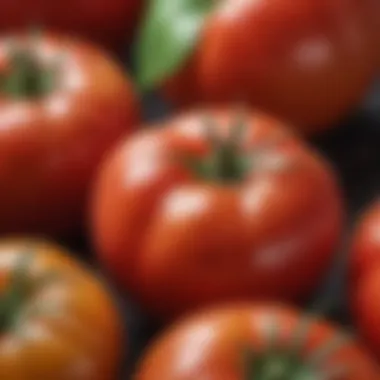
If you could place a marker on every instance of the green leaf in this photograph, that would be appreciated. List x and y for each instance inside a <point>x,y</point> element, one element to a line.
<point>167,38</point>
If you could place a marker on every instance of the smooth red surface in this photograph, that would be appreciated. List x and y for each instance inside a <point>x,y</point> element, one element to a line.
<point>366,241</point>
<point>106,21</point>
<point>366,309</point>
<point>177,242</point>
<point>365,276</point>
<point>211,345</point>
<point>306,61</point>
<point>50,147</point>
<point>67,328</point>
<point>374,11</point>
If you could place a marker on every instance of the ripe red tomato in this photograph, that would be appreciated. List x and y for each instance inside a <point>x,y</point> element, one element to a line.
<point>255,342</point>
<point>365,270</point>
<point>56,319</point>
<point>308,62</point>
<point>183,219</point>
<point>61,107</point>
<point>106,21</point>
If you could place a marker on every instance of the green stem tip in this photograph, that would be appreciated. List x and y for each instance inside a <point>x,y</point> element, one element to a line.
<point>281,361</point>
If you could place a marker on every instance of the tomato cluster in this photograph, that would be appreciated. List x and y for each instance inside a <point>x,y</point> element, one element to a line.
<point>220,220</point>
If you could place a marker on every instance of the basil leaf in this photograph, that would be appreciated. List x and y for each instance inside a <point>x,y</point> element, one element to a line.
<point>167,38</point>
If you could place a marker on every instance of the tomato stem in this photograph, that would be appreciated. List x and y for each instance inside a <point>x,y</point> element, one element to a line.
<point>25,76</point>
<point>225,162</point>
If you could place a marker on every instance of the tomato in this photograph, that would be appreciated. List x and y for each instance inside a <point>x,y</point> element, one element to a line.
<point>57,321</point>
<point>365,279</point>
<point>255,342</point>
<point>186,215</point>
<point>308,62</point>
<point>58,116</point>
<point>105,21</point>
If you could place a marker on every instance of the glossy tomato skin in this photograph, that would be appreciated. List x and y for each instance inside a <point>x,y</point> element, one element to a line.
<point>178,242</point>
<point>307,62</point>
<point>365,307</point>
<point>365,276</point>
<point>105,21</point>
<point>50,147</point>
<point>70,328</point>
<point>210,345</point>
<point>374,11</point>
<point>366,242</point>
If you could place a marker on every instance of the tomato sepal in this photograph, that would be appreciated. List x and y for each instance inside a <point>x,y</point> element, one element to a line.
<point>171,29</point>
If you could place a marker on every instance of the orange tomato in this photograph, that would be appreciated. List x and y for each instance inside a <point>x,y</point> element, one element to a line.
<point>51,140</point>
<point>183,219</point>
<point>255,342</point>
<point>57,321</point>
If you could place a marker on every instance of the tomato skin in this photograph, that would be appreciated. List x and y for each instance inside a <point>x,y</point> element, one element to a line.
<point>365,276</point>
<point>374,11</point>
<point>306,62</point>
<point>177,242</point>
<point>106,21</point>
<point>365,307</point>
<point>51,147</point>
<point>207,345</point>
<point>366,242</point>
<point>77,336</point>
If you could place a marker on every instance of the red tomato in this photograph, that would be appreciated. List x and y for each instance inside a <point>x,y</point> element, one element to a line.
<point>108,21</point>
<point>51,141</point>
<point>366,277</point>
<point>255,342</point>
<point>57,321</point>
<point>181,222</point>
<point>306,61</point>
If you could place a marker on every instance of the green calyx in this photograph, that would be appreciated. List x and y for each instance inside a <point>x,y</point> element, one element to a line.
<point>19,289</point>
<point>225,163</point>
<point>25,77</point>
<point>279,362</point>
<point>167,38</point>
<point>13,298</point>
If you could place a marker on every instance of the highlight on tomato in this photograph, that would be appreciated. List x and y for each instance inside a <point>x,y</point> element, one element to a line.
<point>63,104</point>
<point>57,319</point>
<point>365,276</point>
<point>308,62</point>
<point>256,341</point>
<point>110,22</point>
<point>215,205</point>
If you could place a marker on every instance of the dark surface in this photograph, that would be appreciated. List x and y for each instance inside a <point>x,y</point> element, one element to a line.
<point>354,150</point>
